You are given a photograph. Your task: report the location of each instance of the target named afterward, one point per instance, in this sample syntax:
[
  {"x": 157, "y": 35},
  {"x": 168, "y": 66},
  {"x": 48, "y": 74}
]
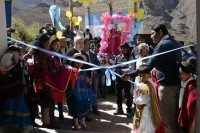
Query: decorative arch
[{"x": 106, "y": 18}]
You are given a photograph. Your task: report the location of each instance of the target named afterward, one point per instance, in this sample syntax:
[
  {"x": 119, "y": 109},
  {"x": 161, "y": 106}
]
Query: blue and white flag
[{"x": 54, "y": 12}]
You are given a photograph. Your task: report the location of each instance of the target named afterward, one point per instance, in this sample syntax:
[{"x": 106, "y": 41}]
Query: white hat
[{"x": 9, "y": 60}]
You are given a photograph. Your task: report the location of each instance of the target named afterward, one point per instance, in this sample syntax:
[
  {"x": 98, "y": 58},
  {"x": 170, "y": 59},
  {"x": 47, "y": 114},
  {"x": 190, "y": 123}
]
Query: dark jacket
[
  {"x": 166, "y": 64},
  {"x": 73, "y": 51},
  {"x": 90, "y": 36}
]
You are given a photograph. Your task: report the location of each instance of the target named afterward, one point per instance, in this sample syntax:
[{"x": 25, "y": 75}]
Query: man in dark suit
[
  {"x": 167, "y": 74},
  {"x": 87, "y": 34},
  {"x": 78, "y": 48}
]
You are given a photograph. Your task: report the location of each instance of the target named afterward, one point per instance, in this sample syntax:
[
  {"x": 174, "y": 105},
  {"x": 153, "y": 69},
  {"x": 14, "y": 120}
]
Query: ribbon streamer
[
  {"x": 109, "y": 72},
  {"x": 54, "y": 12}
]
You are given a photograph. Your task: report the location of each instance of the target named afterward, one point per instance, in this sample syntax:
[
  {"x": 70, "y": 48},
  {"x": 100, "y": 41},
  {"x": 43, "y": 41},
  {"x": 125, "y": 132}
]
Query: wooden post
[
  {"x": 198, "y": 65},
  {"x": 135, "y": 7},
  {"x": 71, "y": 10},
  {"x": 3, "y": 40},
  {"x": 88, "y": 11}
]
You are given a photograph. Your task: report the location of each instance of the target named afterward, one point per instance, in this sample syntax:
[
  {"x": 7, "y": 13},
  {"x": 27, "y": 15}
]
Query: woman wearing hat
[
  {"x": 50, "y": 79},
  {"x": 188, "y": 96},
  {"x": 13, "y": 108}
]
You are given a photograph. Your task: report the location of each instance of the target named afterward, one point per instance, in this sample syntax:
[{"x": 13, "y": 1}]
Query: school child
[
  {"x": 188, "y": 96},
  {"x": 147, "y": 114},
  {"x": 79, "y": 98}
]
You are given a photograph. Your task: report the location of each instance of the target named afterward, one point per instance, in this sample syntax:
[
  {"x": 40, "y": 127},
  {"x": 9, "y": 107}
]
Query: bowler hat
[
  {"x": 189, "y": 65},
  {"x": 124, "y": 45}
]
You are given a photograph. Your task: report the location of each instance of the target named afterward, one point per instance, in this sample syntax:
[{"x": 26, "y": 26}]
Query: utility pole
[
  {"x": 71, "y": 10},
  {"x": 198, "y": 65},
  {"x": 135, "y": 7},
  {"x": 54, "y": 2},
  {"x": 88, "y": 10}
]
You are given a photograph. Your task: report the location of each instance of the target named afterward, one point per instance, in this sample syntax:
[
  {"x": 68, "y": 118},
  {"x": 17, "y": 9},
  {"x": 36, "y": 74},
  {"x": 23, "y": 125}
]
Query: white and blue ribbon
[{"x": 109, "y": 73}]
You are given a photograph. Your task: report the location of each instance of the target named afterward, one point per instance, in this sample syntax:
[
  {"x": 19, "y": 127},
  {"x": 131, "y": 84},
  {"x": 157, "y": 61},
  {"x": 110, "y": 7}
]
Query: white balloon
[{"x": 74, "y": 0}]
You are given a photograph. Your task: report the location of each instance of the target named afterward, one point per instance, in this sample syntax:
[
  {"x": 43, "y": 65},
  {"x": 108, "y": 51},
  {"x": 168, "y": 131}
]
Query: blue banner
[{"x": 8, "y": 8}]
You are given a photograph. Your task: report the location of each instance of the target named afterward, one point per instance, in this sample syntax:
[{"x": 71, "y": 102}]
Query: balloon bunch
[{"x": 75, "y": 20}]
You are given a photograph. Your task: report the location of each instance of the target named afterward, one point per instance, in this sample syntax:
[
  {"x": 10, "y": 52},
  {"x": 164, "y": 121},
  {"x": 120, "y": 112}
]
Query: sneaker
[
  {"x": 119, "y": 112},
  {"x": 85, "y": 127}
]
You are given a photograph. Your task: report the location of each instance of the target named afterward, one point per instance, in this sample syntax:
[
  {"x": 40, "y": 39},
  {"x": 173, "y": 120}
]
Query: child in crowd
[
  {"x": 79, "y": 99},
  {"x": 147, "y": 114},
  {"x": 188, "y": 96}
]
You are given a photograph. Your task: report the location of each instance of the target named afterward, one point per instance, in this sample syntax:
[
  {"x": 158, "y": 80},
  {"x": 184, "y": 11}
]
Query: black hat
[
  {"x": 44, "y": 37},
  {"x": 67, "y": 26},
  {"x": 189, "y": 65},
  {"x": 124, "y": 45}
]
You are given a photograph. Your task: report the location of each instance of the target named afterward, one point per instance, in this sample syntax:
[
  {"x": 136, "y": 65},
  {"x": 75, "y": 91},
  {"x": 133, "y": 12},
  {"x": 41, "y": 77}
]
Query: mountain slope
[{"x": 179, "y": 15}]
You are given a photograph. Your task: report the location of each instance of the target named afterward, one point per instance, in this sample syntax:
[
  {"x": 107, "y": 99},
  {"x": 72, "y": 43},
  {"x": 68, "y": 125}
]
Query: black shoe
[
  {"x": 55, "y": 127},
  {"x": 61, "y": 117},
  {"x": 35, "y": 124},
  {"x": 129, "y": 111},
  {"x": 87, "y": 119},
  {"x": 104, "y": 97},
  {"x": 95, "y": 110},
  {"x": 119, "y": 112},
  {"x": 46, "y": 126}
]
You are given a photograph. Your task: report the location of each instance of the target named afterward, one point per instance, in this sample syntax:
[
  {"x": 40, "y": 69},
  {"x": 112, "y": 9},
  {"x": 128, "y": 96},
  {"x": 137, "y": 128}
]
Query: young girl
[
  {"x": 188, "y": 95},
  {"x": 147, "y": 115},
  {"x": 79, "y": 99}
]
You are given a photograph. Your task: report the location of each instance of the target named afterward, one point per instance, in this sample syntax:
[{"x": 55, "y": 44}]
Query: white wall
[{"x": 3, "y": 40}]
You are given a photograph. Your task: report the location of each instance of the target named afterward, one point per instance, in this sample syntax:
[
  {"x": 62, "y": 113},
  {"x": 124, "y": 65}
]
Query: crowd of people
[{"x": 164, "y": 91}]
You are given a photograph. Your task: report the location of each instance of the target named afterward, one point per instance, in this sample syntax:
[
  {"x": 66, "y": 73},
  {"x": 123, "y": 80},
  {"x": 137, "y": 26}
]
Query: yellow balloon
[
  {"x": 131, "y": 10},
  {"x": 69, "y": 14},
  {"x": 90, "y": 1},
  {"x": 139, "y": 16},
  {"x": 135, "y": 0},
  {"x": 80, "y": 1},
  {"x": 79, "y": 19},
  {"x": 77, "y": 23},
  {"x": 141, "y": 11},
  {"x": 58, "y": 34},
  {"x": 74, "y": 19}
]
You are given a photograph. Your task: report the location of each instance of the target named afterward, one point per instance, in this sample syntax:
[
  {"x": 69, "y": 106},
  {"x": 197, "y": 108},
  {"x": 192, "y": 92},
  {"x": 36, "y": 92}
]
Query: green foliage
[{"x": 23, "y": 32}]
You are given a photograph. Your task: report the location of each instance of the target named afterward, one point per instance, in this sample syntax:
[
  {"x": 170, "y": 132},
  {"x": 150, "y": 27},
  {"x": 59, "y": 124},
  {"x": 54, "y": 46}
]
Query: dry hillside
[{"x": 179, "y": 15}]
